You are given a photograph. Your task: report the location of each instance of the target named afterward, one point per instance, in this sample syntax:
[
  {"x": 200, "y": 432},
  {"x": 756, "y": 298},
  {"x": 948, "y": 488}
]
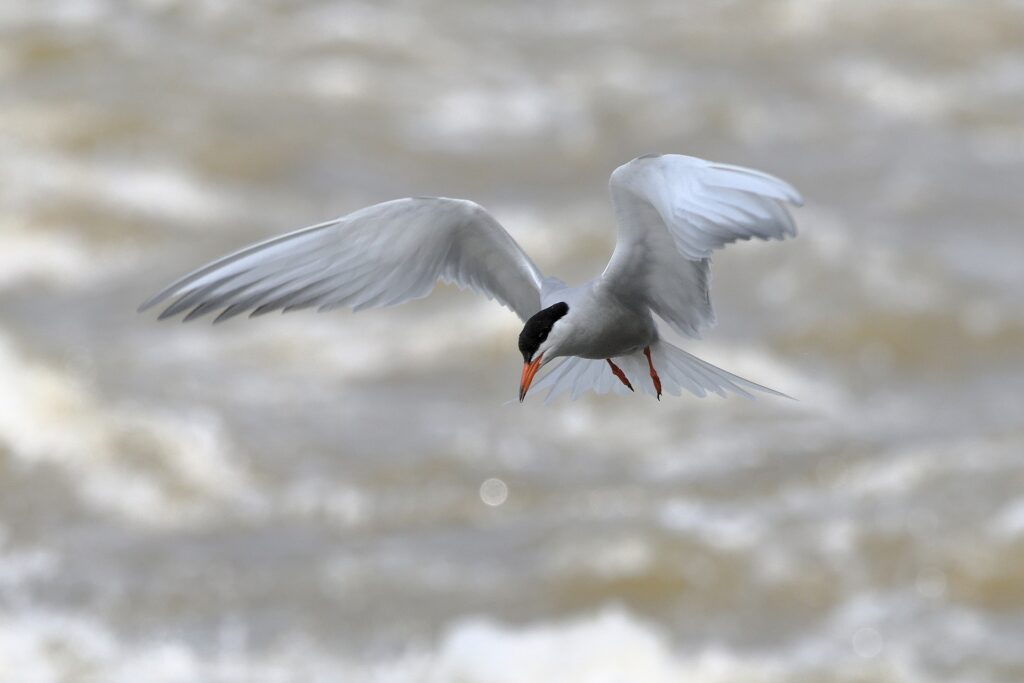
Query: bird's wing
[
  {"x": 672, "y": 212},
  {"x": 677, "y": 369},
  {"x": 378, "y": 256}
]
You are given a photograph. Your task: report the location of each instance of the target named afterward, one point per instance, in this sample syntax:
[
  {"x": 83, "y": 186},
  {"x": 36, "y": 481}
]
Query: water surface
[{"x": 298, "y": 498}]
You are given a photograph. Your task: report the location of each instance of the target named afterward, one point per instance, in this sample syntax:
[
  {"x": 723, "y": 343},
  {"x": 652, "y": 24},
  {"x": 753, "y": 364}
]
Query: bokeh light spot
[
  {"x": 493, "y": 492},
  {"x": 867, "y": 642}
]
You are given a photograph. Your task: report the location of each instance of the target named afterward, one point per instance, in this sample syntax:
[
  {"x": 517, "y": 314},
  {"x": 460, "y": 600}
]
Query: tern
[{"x": 672, "y": 211}]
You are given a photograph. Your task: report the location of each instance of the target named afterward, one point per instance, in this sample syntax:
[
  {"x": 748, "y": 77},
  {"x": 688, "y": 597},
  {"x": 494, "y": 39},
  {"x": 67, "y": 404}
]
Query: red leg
[
  {"x": 654, "y": 373},
  {"x": 620, "y": 374}
]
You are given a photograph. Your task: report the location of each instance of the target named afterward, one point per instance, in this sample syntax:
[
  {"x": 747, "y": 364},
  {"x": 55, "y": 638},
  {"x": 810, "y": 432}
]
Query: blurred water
[{"x": 349, "y": 498}]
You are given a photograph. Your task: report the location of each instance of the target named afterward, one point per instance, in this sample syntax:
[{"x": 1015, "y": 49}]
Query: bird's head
[{"x": 539, "y": 342}]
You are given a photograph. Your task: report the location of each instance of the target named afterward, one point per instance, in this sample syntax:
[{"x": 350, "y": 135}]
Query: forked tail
[{"x": 677, "y": 369}]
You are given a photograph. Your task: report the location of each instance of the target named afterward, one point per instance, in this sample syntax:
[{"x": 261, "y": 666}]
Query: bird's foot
[
  {"x": 617, "y": 371},
  {"x": 654, "y": 373}
]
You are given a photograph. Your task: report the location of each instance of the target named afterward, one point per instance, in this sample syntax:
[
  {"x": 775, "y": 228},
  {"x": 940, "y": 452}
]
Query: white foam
[
  {"x": 717, "y": 525},
  {"x": 371, "y": 23},
  {"x": 892, "y": 92},
  {"x": 611, "y": 556},
  {"x": 613, "y": 646},
  {"x": 1009, "y": 522},
  {"x": 63, "y": 13},
  {"x": 58, "y": 258},
  {"x": 886, "y": 477},
  {"x": 802, "y": 17},
  {"x": 30, "y": 174},
  {"x": 146, "y": 466},
  {"x": 337, "y": 79},
  {"x": 337, "y": 502},
  {"x": 17, "y": 566},
  {"x": 341, "y": 347},
  {"x": 609, "y": 646},
  {"x": 464, "y": 118}
]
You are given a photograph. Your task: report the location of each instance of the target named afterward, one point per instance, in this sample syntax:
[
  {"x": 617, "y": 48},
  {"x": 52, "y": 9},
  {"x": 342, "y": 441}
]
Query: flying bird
[{"x": 672, "y": 211}]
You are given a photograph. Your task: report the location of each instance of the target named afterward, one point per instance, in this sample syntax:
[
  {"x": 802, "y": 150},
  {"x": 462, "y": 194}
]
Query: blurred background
[{"x": 351, "y": 498}]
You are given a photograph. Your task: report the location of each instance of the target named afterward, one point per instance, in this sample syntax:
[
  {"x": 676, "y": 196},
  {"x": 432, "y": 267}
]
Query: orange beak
[{"x": 529, "y": 370}]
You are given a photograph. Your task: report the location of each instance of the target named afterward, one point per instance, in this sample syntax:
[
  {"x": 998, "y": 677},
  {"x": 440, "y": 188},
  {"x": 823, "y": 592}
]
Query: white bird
[{"x": 672, "y": 212}]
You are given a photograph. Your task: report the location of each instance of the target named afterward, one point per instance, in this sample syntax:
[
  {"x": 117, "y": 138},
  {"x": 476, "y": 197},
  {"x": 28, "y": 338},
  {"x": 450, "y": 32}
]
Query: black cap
[{"x": 537, "y": 328}]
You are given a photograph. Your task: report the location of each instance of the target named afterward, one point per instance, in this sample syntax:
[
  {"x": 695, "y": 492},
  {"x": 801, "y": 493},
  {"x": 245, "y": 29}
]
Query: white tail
[{"x": 677, "y": 369}]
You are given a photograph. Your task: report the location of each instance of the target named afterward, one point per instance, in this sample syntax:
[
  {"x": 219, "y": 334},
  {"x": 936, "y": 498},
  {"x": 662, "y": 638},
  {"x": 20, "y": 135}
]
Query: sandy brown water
[{"x": 310, "y": 498}]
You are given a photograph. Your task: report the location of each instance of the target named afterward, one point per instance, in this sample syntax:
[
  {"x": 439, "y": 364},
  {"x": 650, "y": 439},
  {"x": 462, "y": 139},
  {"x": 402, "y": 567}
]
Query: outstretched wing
[
  {"x": 672, "y": 212},
  {"x": 382, "y": 255}
]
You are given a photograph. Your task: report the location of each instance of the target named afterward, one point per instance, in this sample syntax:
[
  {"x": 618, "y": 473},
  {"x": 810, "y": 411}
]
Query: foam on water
[
  {"x": 144, "y": 465},
  {"x": 30, "y": 173},
  {"x": 893, "y": 93},
  {"x": 19, "y": 566},
  {"x": 337, "y": 345},
  {"x": 611, "y": 646},
  {"x": 314, "y": 497},
  {"x": 462, "y": 119},
  {"x": 32, "y": 256},
  {"x": 606, "y": 647}
]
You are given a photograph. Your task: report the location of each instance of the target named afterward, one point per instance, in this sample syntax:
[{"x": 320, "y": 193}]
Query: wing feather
[
  {"x": 672, "y": 212},
  {"x": 382, "y": 255}
]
